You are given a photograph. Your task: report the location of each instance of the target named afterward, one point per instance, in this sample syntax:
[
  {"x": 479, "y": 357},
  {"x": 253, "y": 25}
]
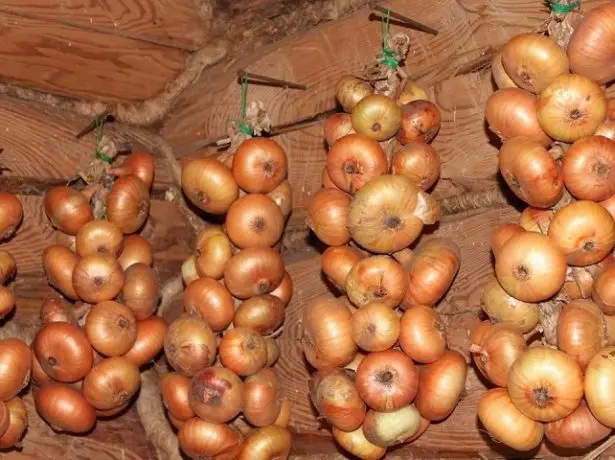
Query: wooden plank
[
  {"x": 174, "y": 21},
  {"x": 70, "y": 61}
]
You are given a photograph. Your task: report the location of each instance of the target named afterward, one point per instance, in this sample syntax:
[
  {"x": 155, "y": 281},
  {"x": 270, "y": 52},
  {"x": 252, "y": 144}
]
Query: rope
[
  {"x": 563, "y": 8},
  {"x": 100, "y": 123},
  {"x": 388, "y": 55},
  {"x": 243, "y": 126}
]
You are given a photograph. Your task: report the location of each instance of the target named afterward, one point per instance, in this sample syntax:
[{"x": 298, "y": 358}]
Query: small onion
[
  {"x": 55, "y": 311},
  {"x": 18, "y": 422},
  {"x": 139, "y": 164},
  {"x": 503, "y": 308},
  {"x": 243, "y": 351},
  {"x": 128, "y": 203},
  {"x": 419, "y": 162},
  {"x": 607, "y": 128},
  {"x": 350, "y": 91},
  {"x": 141, "y": 290},
  {"x": 273, "y": 351},
  {"x": 420, "y": 121},
  {"x": 253, "y": 271},
  {"x": 254, "y": 220},
  {"x": 200, "y": 439},
  {"x": 263, "y": 313},
  {"x": 136, "y": 250},
  {"x": 391, "y": 428},
  {"x": 337, "y": 126},
  {"x": 67, "y": 209},
  {"x": 502, "y": 234},
  {"x": 189, "y": 345},
  {"x": 175, "y": 391},
  {"x": 59, "y": 263},
  {"x": 376, "y": 279},
  {"x": 336, "y": 263},
  {"x": 216, "y": 394},
  {"x": 422, "y": 334},
  {"x": 581, "y": 331},
  {"x": 536, "y": 220},
  {"x": 64, "y": 409},
  {"x": 500, "y": 77},
  {"x": 589, "y": 168},
  {"x": 355, "y": 443},
  {"x": 111, "y": 383},
  {"x": 209, "y": 185},
  {"x": 99, "y": 237},
  {"x": 149, "y": 341},
  {"x": 376, "y": 116},
  {"x": 261, "y": 398},
  {"x": 211, "y": 301},
  {"x": 111, "y": 328},
  {"x": 580, "y": 429},
  {"x": 270, "y": 442},
  {"x": 11, "y": 214},
  {"x": 189, "y": 271},
  {"x": 259, "y": 165},
  {"x": 8, "y": 267},
  {"x": 97, "y": 278},
  {"x": 328, "y": 216},
  {"x": 7, "y": 301},
  {"x": 412, "y": 93},
  {"x": 15, "y": 367}
]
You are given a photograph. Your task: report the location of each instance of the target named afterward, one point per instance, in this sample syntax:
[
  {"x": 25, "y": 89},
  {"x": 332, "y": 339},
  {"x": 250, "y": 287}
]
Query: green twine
[
  {"x": 99, "y": 123},
  {"x": 388, "y": 55},
  {"x": 243, "y": 126},
  {"x": 561, "y": 8}
]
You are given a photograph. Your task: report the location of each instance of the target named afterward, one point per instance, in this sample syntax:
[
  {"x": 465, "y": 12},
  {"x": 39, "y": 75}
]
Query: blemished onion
[
  {"x": 63, "y": 351},
  {"x": 111, "y": 328},
  {"x": 11, "y": 214},
  {"x": 216, "y": 394},
  {"x": 149, "y": 341},
  {"x": 502, "y": 234},
  {"x": 189, "y": 345},
  {"x": 336, "y": 263},
  {"x": 588, "y": 50},
  {"x": 68, "y": 210},
  {"x": 99, "y": 237},
  {"x": 536, "y": 220},
  {"x": 533, "y": 61},
  {"x": 56, "y": 311},
  {"x": 350, "y": 91},
  {"x": 387, "y": 380},
  {"x": 589, "y": 168},
  {"x": 376, "y": 279},
  {"x": 189, "y": 271},
  {"x": 503, "y": 308},
  {"x": 15, "y": 367},
  {"x": 506, "y": 423},
  {"x": 285, "y": 289},
  {"x": 282, "y": 195},
  {"x": 7, "y": 301},
  {"x": 254, "y": 220},
  {"x": 420, "y": 121},
  {"x": 376, "y": 116},
  {"x": 326, "y": 179},
  {"x": 200, "y": 439},
  {"x": 337, "y": 126},
  {"x": 545, "y": 384},
  {"x": 328, "y": 216},
  {"x": 389, "y": 213},
  {"x": 355, "y": 443},
  {"x": 412, "y": 93},
  {"x": 211, "y": 301},
  {"x": 511, "y": 112},
  {"x": 571, "y": 107},
  {"x": 59, "y": 263},
  {"x": 581, "y": 332},
  {"x": 603, "y": 292},
  {"x": 64, "y": 409},
  {"x": 600, "y": 386},
  {"x": 263, "y": 313},
  {"x": 128, "y": 203},
  {"x": 584, "y": 231},
  {"x": 141, "y": 290},
  {"x": 136, "y": 250},
  {"x": 266, "y": 443},
  {"x": 496, "y": 352},
  {"x": 259, "y": 165},
  {"x": 111, "y": 383},
  {"x": 431, "y": 272},
  {"x": 273, "y": 351},
  {"x": 335, "y": 397},
  {"x": 253, "y": 271},
  {"x": 530, "y": 172},
  {"x": 391, "y": 428},
  {"x": 209, "y": 185},
  {"x": 607, "y": 128},
  {"x": 243, "y": 350},
  {"x": 139, "y": 164},
  {"x": 422, "y": 334},
  {"x": 419, "y": 162},
  {"x": 580, "y": 429},
  {"x": 327, "y": 333},
  {"x": 530, "y": 267},
  {"x": 97, "y": 278},
  {"x": 500, "y": 77},
  {"x": 354, "y": 160},
  {"x": 262, "y": 402},
  {"x": 375, "y": 327},
  {"x": 8, "y": 267},
  {"x": 18, "y": 422},
  {"x": 175, "y": 391}
]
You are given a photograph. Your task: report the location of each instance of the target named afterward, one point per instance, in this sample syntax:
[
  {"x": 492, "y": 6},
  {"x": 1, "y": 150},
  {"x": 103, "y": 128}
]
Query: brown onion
[
  {"x": 254, "y": 220},
  {"x": 128, "y": 203},
  {"x": 259, "y": 165},
  {"x": 111, "y": 328},
  {"x": 264, "y": 314},
  {"x": 5, "y": 418},
  {"x": 111, "y": 383},
  {"x": 209, "y": 185},
  {"x": 337, "y": 126},
  {"x": 189, "y": 345},
  {"x": 200, "y": 439},
  {"x": 97, "y": 278},
  {"x": 64, "y": 409},
  {"x": 18, "y": 422},
  {"x": 8, "y": 267},
  {"x": 211, "y": 301},
  {"x": 580, "y": 429},
  {"x": 607, "y": 128},
  {"x": 391, "y": 428},
  {"x": 603, "y": 293},
  {"x": 503, "y": 308},
  {"x": 149, "y": 341},
  {"x": 350, "y": 91},
  {"x": 55, "y": 311},
  {"x": 59, "y": 263},
  {"x": 326, "y": 179},
  {"x": 15, "y": 367},
  {"x": 141, "y": 290},
  {"x": 355, "y": 443},
  {"x": 536, "y": 220},
  {"x": 376, "y": 116},
  {"x": 285, "y": 413},
  {"x": 336, "y": 263},
  {"x": 273, "y": 351},
  {"x": 243, "y": 351},
  {"x": 502, "y": 234},
  {"x": 500, "y": 77},
  {"x": 282, "y": 195},
  {"x": 136, "y": 250},
  {"x": 253, "y": 271},
  {"x": 270, "y": 442},
  {"x": 420, "y": 121},
  {"x": 11, "y": 214},
  {"x": 589, "y": 168},
  {"x": 581, "y": 332},
  {"x": 216, "y": 394},
  {"x": 189, "y": 271},
  {"x": 328, "y": 216},
  {"x": 375, "y": 327},
  {"x": 422, "y": 334},
  {"x": 67, "y": 209},
  {"x": 261, "y": 398},
  {"x": 99, "y": 237},
  {"x": 7, "y": 301},
  {"x": 175, "y": 391},
  {"x": 285, "y": 289},
  {"x": 599, "y": 385},
  {"x": 63, "y": 352},
  {"x": 419, "y": 162},
  {"x": 139, "y": 164},
  {"x": 411, "y": 93},
  {"x": 376, "y": 279}
]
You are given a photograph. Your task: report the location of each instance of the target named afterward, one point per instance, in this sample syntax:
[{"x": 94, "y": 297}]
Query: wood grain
[
  {"x": 69, "y": 61},
  {"x": 174, "y": 21}
]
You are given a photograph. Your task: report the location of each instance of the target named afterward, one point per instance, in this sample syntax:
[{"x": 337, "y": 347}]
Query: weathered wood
[{"x": 71, "y": 61}]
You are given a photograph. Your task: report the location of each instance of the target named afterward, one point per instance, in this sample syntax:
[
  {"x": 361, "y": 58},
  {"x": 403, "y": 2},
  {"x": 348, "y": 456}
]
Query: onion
[
  {"x": 530, "y": 267},
  {"x": 536, "y": 220},
  {"x": 376, "y": 279},
  {"x": 282, "y": 195},
  {"x": 327, "y": 333},
  {"x": 200, "y": 439},
  {"x": 99, "y": 237},
  {"x": 128, "y": 203},
  {"x": 356, "y": 443},
  {"x": 326, "y": 179},
  {"x": 149, "y": 341},
  {"x": 391, "y": 428},
  {"x": 270, "y": 442},
  {"x": 7, "y": 301},
  {"x": 584, "y": 231},
  {"x": 216, "y": 394},
  {"x": 431, "y": 272},
  {"x": 285, "y": 289},
  {"x": 530, "y": 172},
  {"x": 214, "y": 252},
  {"x": 243, "y": 351},
  {"x": 136, "y": 250},
  {"x": 422, "y": 334},
  {"x": 15, "y": 366},
  {"x": 354, "y": 160},
  {"x": 139, "y": 164},
  {"x": 506, "y": 423},
  {"x": 376, "y": 116},
  {"x": 603, "y": 293},
  {"x": 477, "y": 333},
  {"x": 336, "y": 263},
  {"x": 261, "y": 398},
  {"x": 328, "y": 216},
  {"x": 264, "y": 314},
  {"x": 5, "y": 418},
  {"x": 545, "y": 384},
  {"x": 209, "y": 185},
  {"x": 503, "y": 308},
  {"x": 59, "y": 263},
  {"x": 11, "y": 214},
  {"x": 253, "y": 271},
  {"x": 500, "y": 77},
  {"x": 337, "y": 126},
  {"x": 502, "y": 234},
  {"x": 387, "y": 380},
  {"x": 189, "y": 345},
  {"x": 97, "y": 278},
  {"x": 189, "y": 271},
  {"x": 111, "y": 328},
  {"x": 419, "y": 162},
  {"x": 175, "y": 389},
  {"x": 211, "y": 301},
  {"x": 68, "y": 210},
  {"x": 589, "y": 168},
  {"x": 589, "y": 48},
  {"x": 8, "y": 267},
  {"x": 55, "y": 311},
  {"x": 375, "y": 327},
  {"x": 64, "y": 409},
  {"x": 259, "y": 165},
  {"x": 63, "y": 352},
  {"x": 141, "y": 290},
  {"x": 599, "y": 386},
  {"x": 607, "y": 128},
  {"x": 273, "y": 351},
  {"x": 18, "y": 422},
  {"x": 112, "y": 412},
  {"x": 580, "y": 429},
  {"x": 571, "y": 107},
  {"x": 285, "y": 413},
  {"x": 581, "y": 332},
  {"x": 420, "y": 121},
  {"x": 412, "y": 93},
  {"x": 111, "y": 383},
  {"x": 533, "y": 61},
  {"x": 350, "y": 91}
]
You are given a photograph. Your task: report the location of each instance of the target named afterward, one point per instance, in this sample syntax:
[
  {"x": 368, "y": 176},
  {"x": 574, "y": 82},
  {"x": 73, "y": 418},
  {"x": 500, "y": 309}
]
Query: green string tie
[
  {"x": 561, "y": 8},
  {"x": 243, "y": 126},
  {"x": 388, "y": 56},
  {"x": 99, "y": 135}
]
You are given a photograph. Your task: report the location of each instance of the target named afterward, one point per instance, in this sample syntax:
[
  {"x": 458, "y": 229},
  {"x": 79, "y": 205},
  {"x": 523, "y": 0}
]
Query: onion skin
[
  {"x": 285, "y": 289},
  {"x": 337, "y": 126},
  {"x": 506, "y": 423},
  {"x": 420, "y": 121},
  {"x": 270, "y": 442},
  {"x": 355, "y": 443},
  {"x": 282, "y": 195},
  {"x": 589, "y": 168},
  {"x": 216, "y": 394},
  {"x": 511, "y": 112},
  {"x": 599, "y": 386},
  {"x": 253, "y": 271},
  {"x": 189, "y": 345},
  {"x": 336, "y": 263},
  {"x": 209, "y": 185},
  {"x": 503, "y": 308},
  {"x": 376, "y": 279},
  {"x": 149, "y": 342},
  {"x": 64, "y": 409},
  {"x": 419, "y": 162},
  {"x": 376, "y": 116},
  {"x": 15, "y": 367},
  {"x": 350, "y": 91},
  {"x": 111, "y": 383},
  {"x": 328, "y": 216},
  {"x": 200, "y": 439},
  {"x": 581, "y": 331},
  {"x": 128, "y": 203},
  {"x": 422, "y": 334},
  {"x": 259, "y": 165},
  {"x": 578, "y": 430},
  {"x": 68, "y": 210},
  {"x": 390, "y": 428},
  {"x": 18, "y": 422},
  {"x": 536, "y": 220}
]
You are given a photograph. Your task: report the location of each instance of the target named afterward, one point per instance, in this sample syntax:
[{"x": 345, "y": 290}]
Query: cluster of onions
[
  {"x": 87, "y": 355},
  {"x": 11, "y": 216},
  {"x": 223, "y": 397}
]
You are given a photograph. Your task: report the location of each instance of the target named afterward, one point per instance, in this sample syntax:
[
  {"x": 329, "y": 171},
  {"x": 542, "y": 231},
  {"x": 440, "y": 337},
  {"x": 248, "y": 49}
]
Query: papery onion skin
[
  {"x": 111, "y": 383},
  {"x": 536, "y": 220},
  {"x": 67, "y": 209},
  {"x": 420, "y": 121},
  {"x": 355, "y": 443},
  {"x": 253, "y": 271},
  {"x": 503, "y": 308},
  {"x": 128, "y": 203},
  {"x": 600, "y": 386},
  {"x": 216, "y": 394},
  {"x": 545, "y": 384},
  {"x": 270, "y": 442},
  {"x": 15, "y": 367},
  {"x": 149, "y": 341},
  {"x": 376, "y": 116},
  {"x": 211, "y": 301},
  {"x": 336, "y": 263},
  {"x": 390, "y": 428},
  {"x": 259, "y": 165},
  {"x": 376, "y": 279},
  {"x": 506, "y": 423},
  {"x": 419, "y": 162},
  {"x": 581, "y": 331},
  {"x": 511, "y": 112},
  {"x": 580, "y": 429},
  {"x": 282, "y": 196},
  {"x": 337, "y": 126},
  {"x": 422, "y": 334},
  {"x": 209, "y": 185},
  {"x": 18, "y": 422},
  {"x": 375, "y": 327},
  {"x": 200, "y": 439},
  {"x": 589, "y": 168},
  {"x": 285, "y": 289},
  {"x": 189, "y": 345},
  {"x": 350, "y": 91},
  {"x": 64, "y": 409},
  {"x": 328, "y": 216}
]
